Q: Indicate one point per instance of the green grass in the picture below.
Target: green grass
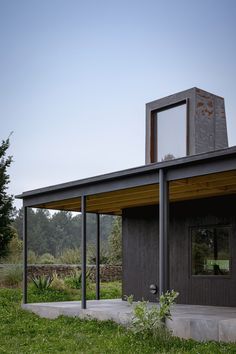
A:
(24, 332)
(107, 291)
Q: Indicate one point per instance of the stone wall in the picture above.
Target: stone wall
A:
(107, 272)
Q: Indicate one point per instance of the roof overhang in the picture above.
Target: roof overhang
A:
(193, 177)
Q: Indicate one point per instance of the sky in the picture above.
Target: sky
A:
(75, 77)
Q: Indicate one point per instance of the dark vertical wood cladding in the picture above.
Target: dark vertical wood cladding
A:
(140, 251)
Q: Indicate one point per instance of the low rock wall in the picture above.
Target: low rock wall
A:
(107, 272)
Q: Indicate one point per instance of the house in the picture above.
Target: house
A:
(178, 210)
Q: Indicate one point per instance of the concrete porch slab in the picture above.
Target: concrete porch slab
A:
(188, 321)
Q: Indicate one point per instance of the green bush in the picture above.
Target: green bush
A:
(12, 275)
(91, 254)
(150, 320)
(57, 282)
(32, 257)
(115, 242)
(166, 301)
(70, 256)
(46, 258)
(74, 281)
(14, 251)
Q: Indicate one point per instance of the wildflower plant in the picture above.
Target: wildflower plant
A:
(150, 320)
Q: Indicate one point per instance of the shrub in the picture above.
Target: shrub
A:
(32, 257)
(42, 282)
(166, 301)
(91, 252)
(14, 251)
(57, 282)
(12, 275)
(129, 299)
(47, 258)
(115, 243)
(70, 256)
(150, 320)
(74, 281)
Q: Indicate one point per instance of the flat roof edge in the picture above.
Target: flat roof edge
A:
(131, 171)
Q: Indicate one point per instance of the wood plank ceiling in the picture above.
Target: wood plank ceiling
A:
(184, 189)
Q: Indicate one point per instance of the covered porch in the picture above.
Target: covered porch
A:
(194, 177)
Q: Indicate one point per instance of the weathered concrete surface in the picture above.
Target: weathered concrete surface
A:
(102, 310)
(188, 321)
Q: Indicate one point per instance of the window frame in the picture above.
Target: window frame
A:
(212, 276)
(154, 128)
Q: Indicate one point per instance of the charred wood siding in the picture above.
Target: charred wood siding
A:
(140, 251)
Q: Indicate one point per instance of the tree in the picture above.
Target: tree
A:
(168, 157)
(115, 242)
(6, 201)
(60, 231)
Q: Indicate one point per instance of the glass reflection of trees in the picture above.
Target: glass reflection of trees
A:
(210, 250)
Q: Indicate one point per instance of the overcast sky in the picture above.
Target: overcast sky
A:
(75, 77)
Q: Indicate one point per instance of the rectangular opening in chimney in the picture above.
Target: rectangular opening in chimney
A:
(171, 132)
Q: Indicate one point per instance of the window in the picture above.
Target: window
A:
(210, 250)
(171, 133)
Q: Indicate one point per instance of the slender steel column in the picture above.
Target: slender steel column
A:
(25, 249)
(163, 232)
(98, 259)
(83, 248)
(166, 232)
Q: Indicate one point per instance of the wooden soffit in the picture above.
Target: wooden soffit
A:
(183, 189)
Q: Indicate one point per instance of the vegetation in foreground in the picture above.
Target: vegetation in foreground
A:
(6, 201)
(23, 332)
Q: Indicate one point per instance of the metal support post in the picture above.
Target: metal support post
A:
(163, 233)
(25, 249)
(98, 259)
(83, 247)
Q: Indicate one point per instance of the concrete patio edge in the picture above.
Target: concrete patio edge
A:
(201, 323)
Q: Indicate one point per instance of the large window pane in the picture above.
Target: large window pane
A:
(171, 133)
(210, 251)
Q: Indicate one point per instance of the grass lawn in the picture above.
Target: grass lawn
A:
(110, 290)
(23, 332)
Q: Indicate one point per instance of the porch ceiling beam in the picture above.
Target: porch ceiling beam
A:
(200, 168)
(108, 197)
(100, 187)
(212, 182)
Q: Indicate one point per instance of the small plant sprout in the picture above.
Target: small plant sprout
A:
(129, 299)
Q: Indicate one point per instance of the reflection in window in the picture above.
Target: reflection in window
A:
(171, 133)
(210, 251)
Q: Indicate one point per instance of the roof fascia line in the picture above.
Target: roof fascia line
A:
(100, 187)
(124, 174)
(205, 168)
(179, 172)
